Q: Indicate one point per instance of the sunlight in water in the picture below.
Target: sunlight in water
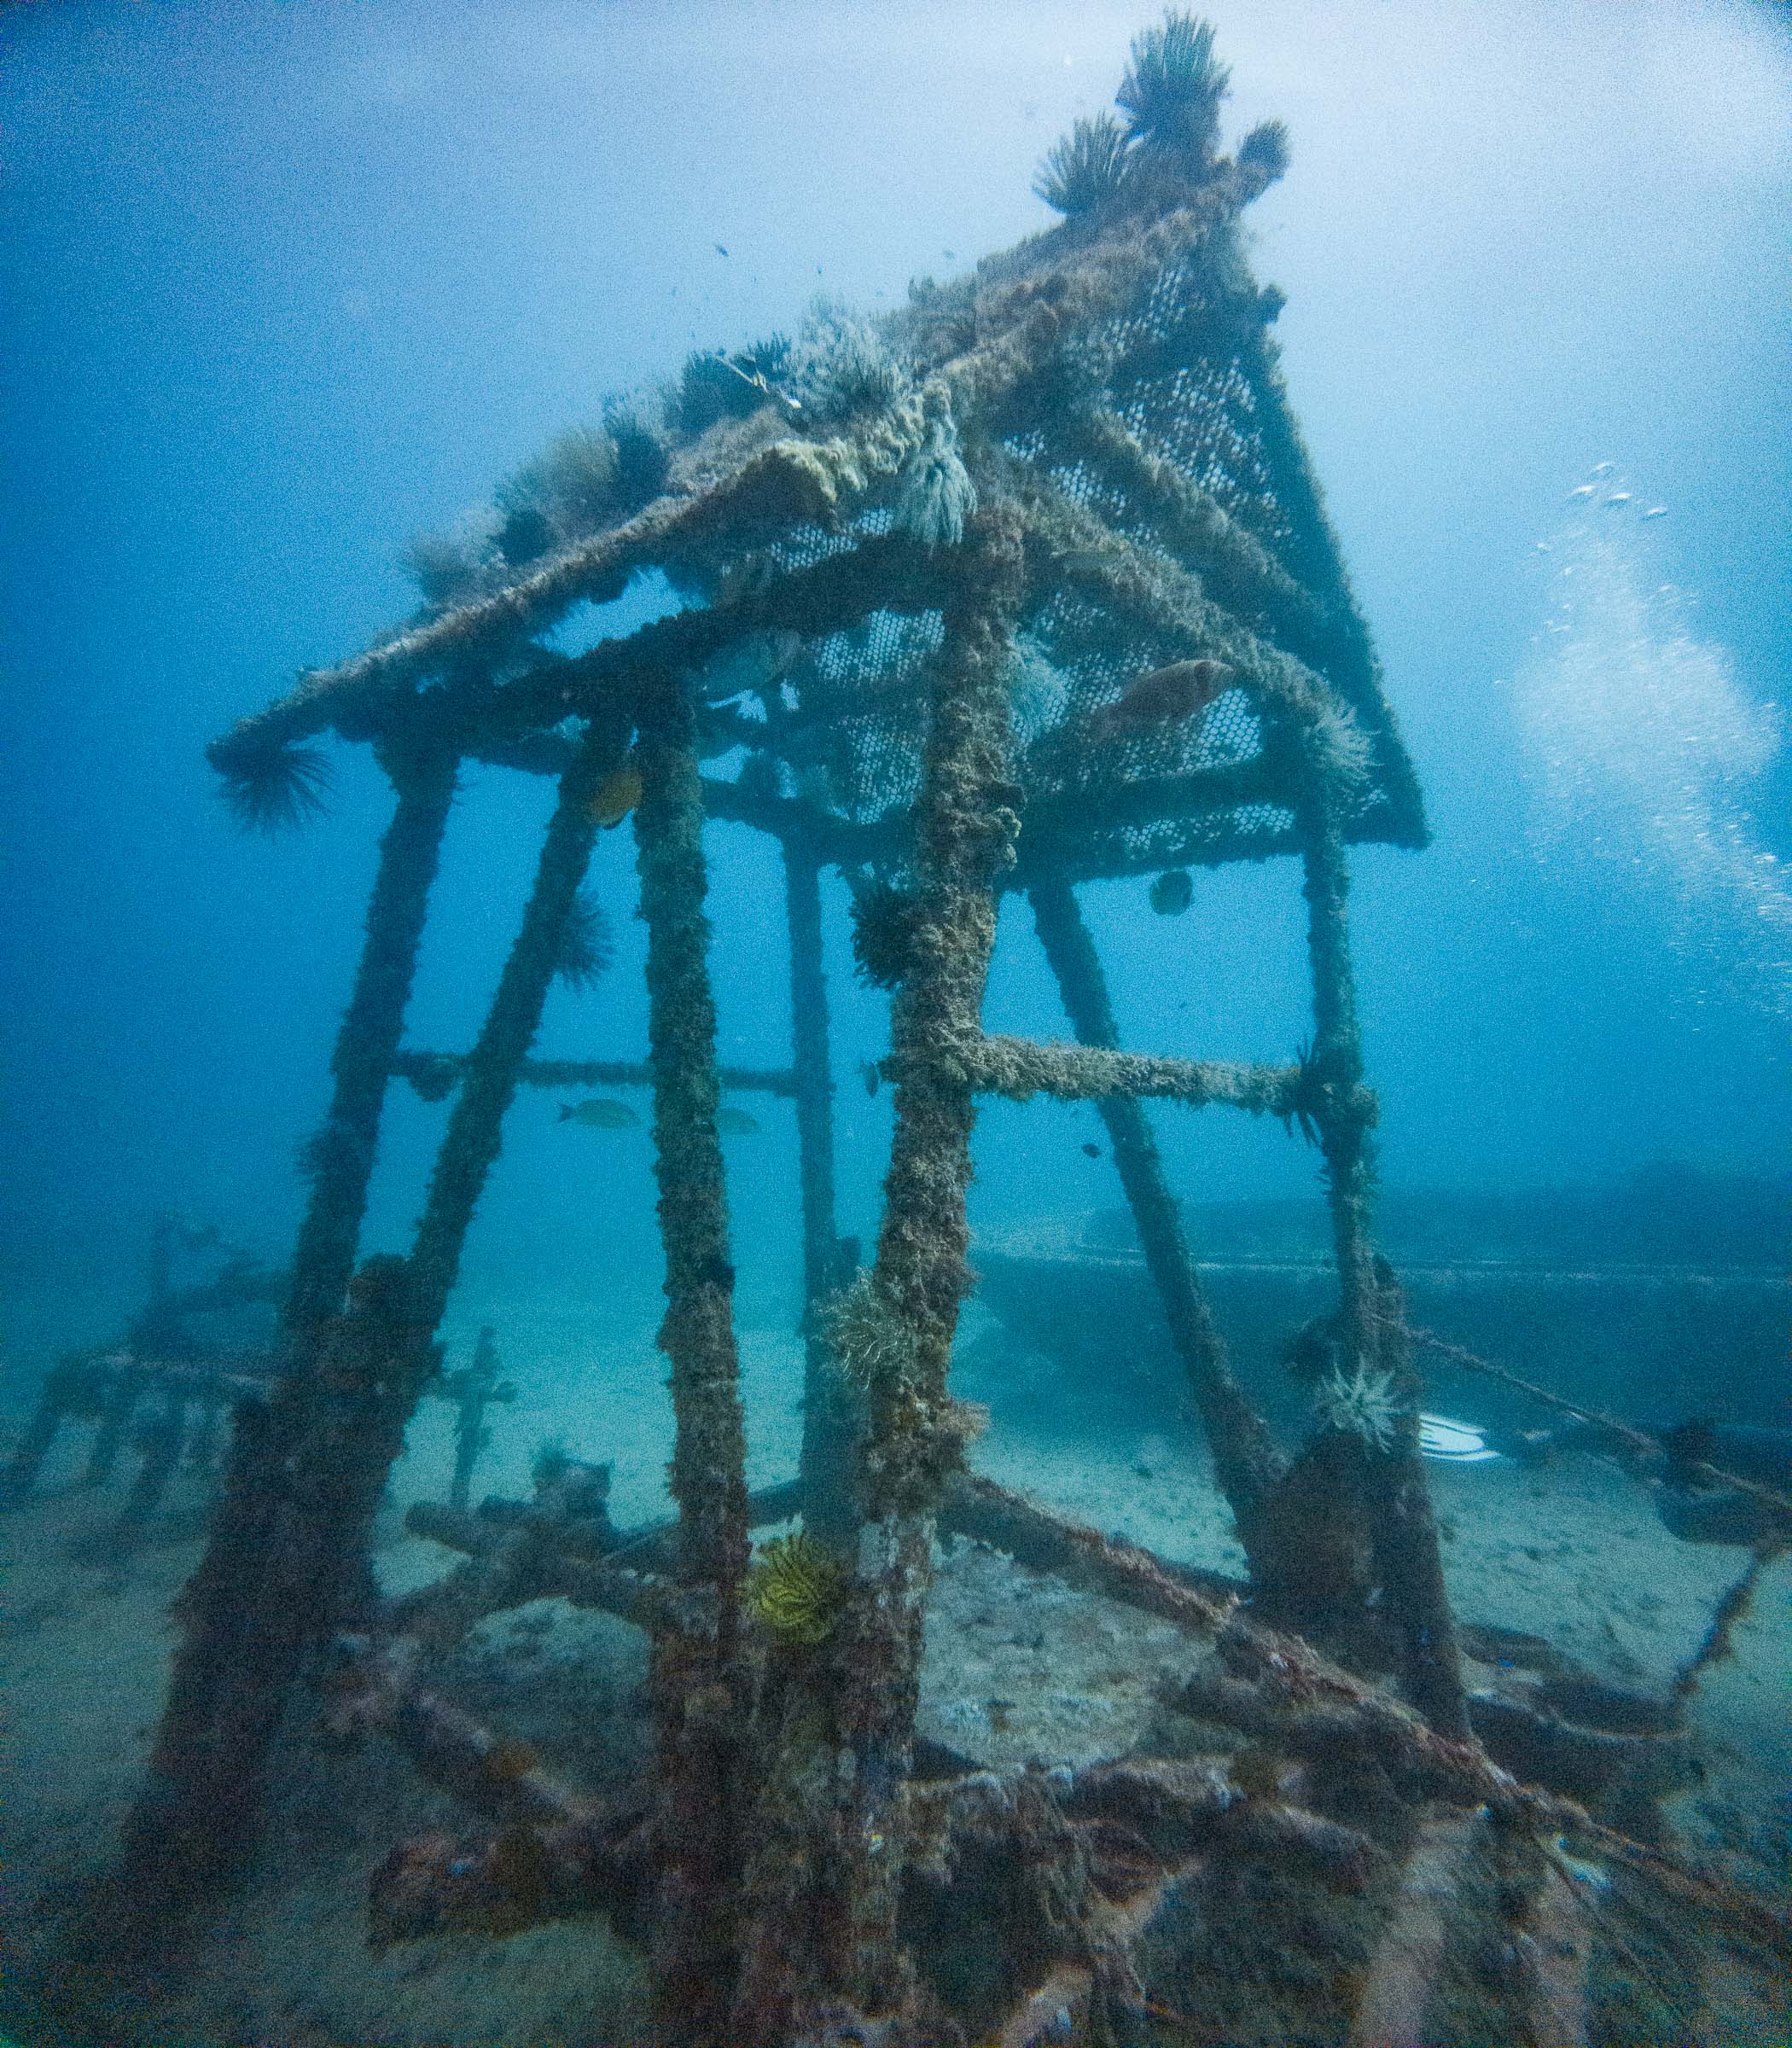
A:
(1647, 752)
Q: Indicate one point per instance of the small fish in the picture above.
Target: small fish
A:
(720, 250)
(509, 1759)
(600, 1112)
(1603, 468)
(736, 1123)
(1091, 1149)
(1164, 696)
(1173, 893)
(871, 1074)
(615, 796)
(1583, 491)
(1618, 497)
(1655, 512)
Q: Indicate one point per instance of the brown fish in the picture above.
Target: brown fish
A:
(602, 1113)
(1162, 696)
(615, 796)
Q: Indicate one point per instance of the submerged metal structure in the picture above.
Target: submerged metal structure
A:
(1031, 585)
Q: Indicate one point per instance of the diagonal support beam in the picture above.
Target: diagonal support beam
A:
(252, 1609)
(1245, 1460)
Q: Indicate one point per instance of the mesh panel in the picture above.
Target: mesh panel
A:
(1172, 372)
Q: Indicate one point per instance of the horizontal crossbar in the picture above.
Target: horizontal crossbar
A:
(435, 1075)
(1019, 1068)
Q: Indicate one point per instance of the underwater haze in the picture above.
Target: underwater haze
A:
(1168, 1668)
(288, 286)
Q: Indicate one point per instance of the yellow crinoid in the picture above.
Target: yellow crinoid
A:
(796, 1589)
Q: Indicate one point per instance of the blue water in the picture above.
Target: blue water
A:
(289, 285)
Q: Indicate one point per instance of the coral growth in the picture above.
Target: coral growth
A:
(883, 934)
(1172, 88)
(567, 489)
(1038, 695)
(275, 789)
(717, 385)
(1265, 151)
(1340, 753)
(1170, 96)
(585, 480)
(1085, 169)
(935, 494)
(587, 945)
(641, 457)
(455, 568)
(796, 1589)
(1363, 1403)
(840, 366)
(867, 1341)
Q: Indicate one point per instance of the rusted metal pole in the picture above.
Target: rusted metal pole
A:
(1246, 1462)
(694, 1683)
(340, 1155)
(833, 1732)
(473, 1389)
(239, 1654)
(829, 1509)
(288, 1554)
(1402, 1527)
(489, 1080)
(965, 834)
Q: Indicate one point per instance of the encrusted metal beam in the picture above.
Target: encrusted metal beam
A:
(1019, 1068)
(696, 1682)
(274, 1562)
(1245, 1459)
(435, 1075)
(1371, 1324)
(964, 843)
(829, 1510)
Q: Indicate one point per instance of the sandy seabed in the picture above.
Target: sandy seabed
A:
(1017, 1667)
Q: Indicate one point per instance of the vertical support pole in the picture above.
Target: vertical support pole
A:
(472, 1389)
(340, 1156)
(122, 1396)
(20, 1472)
(1402, 1527)
(242, 1644)
(147, 1333)
(75, 1386)
(1246, 1462)
(1402, 1534)
(288, 1549)
(695, 1680)
(829, 1510)
(160, 1440)
(1344, 1110)
(965, 837)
